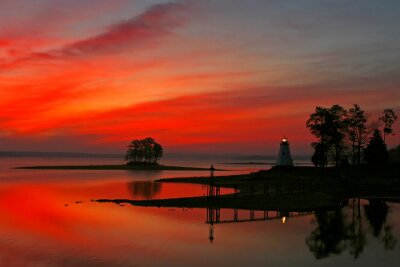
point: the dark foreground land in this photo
(287, 189)
(117, 167)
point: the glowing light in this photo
(283, 219)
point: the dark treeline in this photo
(344, 135)
(145, 151)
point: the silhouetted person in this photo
(212, 169)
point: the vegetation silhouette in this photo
(344, 133)
(388, 118)
(376, 152)
(146, 151)
(329, 126)
(319, 158)
(357, 132)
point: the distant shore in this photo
(118, 167)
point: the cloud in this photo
(139, 77)
(139, 31)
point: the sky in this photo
(208, 76)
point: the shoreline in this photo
(285, 189)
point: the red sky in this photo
(198, 76)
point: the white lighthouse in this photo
(284, 158)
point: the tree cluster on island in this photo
(144, 152)
(343, 134)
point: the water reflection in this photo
(232, 216)
(376, 213)
(336, 232)
(37, 229)
(329, 236)
(340, 225)
(356, 234)
(343, 228)
(144, 189)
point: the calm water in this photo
(48, 219)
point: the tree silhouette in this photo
(158, 152)
(338, 130)
(329, 125)
(145, 151)
(318, 123)
(376, 152)
(388, 119)
(318, 158)
(357, 131)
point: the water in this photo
(48, 219)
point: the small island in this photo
(118, 167)
(142, 155)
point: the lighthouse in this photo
(284, 158)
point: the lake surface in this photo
(48, 218)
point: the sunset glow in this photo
(197, 76)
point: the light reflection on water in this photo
(43, 225)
